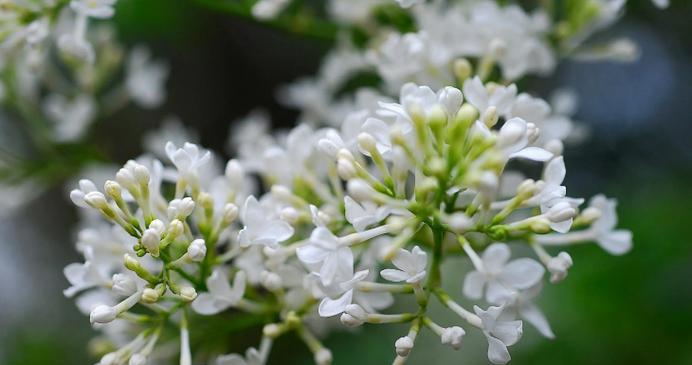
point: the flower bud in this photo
(590, 214)
(561, 211)
(271, 330)
(230, 213)
(467, 114)
(360, 190)
(490, 116)
(452, 336)
(112, 189)
(138, 359)
(462, 68)
(142, 174)
(403, 346)
(290, 215)
(102, 314)
(151, 240)
(124, 285)
(558, 266)
(459, 223)
(346, 169)
(330, 144)
(272, 281)
(555, 146)
(349, 320)
(197, 250)
(175, 228)
(110, 358)
(437, 117)
(367, 142)
(235, 173)
(512, 132)
(125, 178)
(96, 200)
(188, 293)
(150, 295)
(540, 226)
(282, 193)
(532, 132)
(323, 357)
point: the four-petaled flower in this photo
(221, 295)
(411, 266)
(261, 229)
(499, 278)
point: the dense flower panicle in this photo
(363, 201)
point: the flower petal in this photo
(330, 307)
(497, 351)
(522, 273)
(473, 285)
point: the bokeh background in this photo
(634, 309)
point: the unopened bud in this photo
(558, 266)
(272, 281)
(123, 285)
(197, 250)
(230, 213)
(102, 314)
(462, 68)
(452, 336)
(367, 142)
(323, 357)
(188, 293)
(150, 295)
(403, 346)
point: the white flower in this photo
(499, 333)
(259, 228)
(100, 9)
(498, 277)
(558, 266)
(403, 346)
(615, 241)
(197, 250)
(145, 78)
(77, 196)
(365, 214)
(187, 159)
(83, 276)
(221, 295)
(327, 256)
(522, 303)
(452, 336)
(514, 138)
(70, 117)
(411, 266)
(502, 97)
(339, 294)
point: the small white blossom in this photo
(259, 228)
(411, 265)
(327, 256)
(500, 333)
(364, 214)
(221, 295)
(498, 277)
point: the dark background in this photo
(633, 309)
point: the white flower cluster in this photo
(423, 179)
(32, 79)
(364, 202)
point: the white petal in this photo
(495, 257)
(509, 332)
(530, 313)
(394, 275)
(497, 293)
(331, 307)
(522, 273)
(218, 284)
(533, 154)
(311, 254)
(561, 227)
(473, 285)
(205, 304)
(617, 242)
(497, 351)
(555, 171)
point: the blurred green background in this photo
(634, 309)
